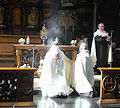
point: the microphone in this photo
(110, 32)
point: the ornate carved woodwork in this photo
(31, 54)
(8, 86)
(16, 84)
(110, 85)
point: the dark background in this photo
(63, 18)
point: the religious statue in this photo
(33, 17)
(69, 29)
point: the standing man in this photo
(99, 49)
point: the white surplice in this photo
(83, 79)
(53, 77)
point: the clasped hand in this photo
(106, 35)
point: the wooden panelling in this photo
(7, 58)
(14, 38)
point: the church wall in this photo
(66, 19)
(108, 12)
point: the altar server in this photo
(83, 78)
(53, 77)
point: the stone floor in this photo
(69, 102)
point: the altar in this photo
(31, 54)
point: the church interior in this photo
(27, 30)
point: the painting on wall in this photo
(16, 16)
(16, 20)
(32, 17)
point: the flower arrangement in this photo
(21, 41)
(25, 66)
(73, 42)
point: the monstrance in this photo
(43, 34)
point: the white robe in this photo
(53, 77)
(83, 79)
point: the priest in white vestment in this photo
(83, 79)
(53, 79)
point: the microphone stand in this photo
(111, 48)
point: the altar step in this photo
(7, 60)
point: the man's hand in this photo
(57, 57)
(71, 61)
(108, 39)
(105, 35)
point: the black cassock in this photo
(101, 51)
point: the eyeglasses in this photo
(101, 26)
